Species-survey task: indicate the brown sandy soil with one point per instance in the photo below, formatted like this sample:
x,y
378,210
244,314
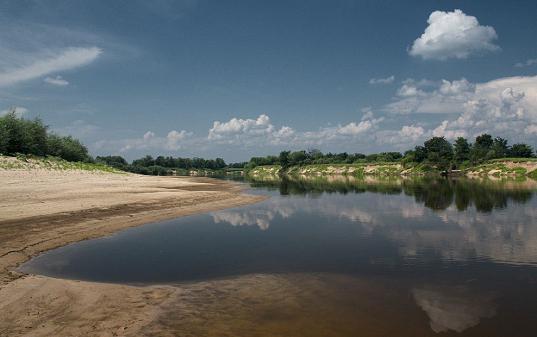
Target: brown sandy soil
x,y
45,209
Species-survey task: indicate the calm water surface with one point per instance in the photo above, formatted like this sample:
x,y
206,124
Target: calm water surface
x,y
418,256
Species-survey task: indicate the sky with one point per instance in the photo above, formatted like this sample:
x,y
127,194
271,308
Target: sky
x,y
236,79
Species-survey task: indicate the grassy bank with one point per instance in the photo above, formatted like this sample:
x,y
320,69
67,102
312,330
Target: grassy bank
x,y
27,162
508,167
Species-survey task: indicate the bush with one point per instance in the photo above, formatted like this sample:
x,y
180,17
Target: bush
x,y
19,135
67,148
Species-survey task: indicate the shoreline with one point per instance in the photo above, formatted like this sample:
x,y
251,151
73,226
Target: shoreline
x,y
42,209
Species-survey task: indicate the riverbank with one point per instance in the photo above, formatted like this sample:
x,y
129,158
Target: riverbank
x,y
518,167
45,208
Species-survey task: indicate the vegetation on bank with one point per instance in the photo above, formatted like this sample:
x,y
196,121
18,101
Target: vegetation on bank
x,y
27,162
487,155
166,165
32,137
35,146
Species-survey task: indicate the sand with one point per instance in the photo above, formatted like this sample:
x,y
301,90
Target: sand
x,y
44,209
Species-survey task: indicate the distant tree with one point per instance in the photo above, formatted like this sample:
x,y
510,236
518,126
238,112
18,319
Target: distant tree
x,y
521,151
4,137
439,152
461,150
482,148
68,148
114,161
420,153
484,141
284,158
499,147
297,157
144,162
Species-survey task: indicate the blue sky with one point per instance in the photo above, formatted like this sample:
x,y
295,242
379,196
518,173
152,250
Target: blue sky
x,y
240,78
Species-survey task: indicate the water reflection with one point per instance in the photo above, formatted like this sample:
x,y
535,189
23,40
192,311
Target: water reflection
x,y
435,193
462,218
332,256
454,308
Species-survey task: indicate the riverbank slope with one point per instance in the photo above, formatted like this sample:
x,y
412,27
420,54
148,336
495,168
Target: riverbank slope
x,y
516,167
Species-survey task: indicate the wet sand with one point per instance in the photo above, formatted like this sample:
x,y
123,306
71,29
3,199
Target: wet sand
x,y
45,209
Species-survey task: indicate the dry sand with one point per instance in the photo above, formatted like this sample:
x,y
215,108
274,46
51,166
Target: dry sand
x,y
45,209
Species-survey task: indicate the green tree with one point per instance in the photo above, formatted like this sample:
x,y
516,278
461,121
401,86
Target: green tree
x,y
521,151
499,147
482,147
297,157
284,159
68,148
439,152
114,161
4,137
461,150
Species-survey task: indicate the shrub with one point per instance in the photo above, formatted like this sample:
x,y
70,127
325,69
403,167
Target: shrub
x,y
67,148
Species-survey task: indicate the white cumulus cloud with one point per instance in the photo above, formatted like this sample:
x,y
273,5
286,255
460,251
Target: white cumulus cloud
x,y
453,35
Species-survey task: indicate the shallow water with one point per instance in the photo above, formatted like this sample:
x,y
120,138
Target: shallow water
x,y
338,256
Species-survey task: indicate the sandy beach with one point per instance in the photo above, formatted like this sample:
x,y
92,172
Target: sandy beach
x,y
44,209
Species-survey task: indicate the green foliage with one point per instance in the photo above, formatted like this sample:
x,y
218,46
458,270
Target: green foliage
x,y
168,165
284,159
68,148
461,150
22,136
113,161
439,152
521,151
19,135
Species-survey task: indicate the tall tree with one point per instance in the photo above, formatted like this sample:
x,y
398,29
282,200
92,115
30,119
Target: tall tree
x,y
499,147
521,150
461,149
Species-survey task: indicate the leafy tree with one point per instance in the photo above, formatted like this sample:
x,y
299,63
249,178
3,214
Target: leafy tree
x,y
297,157
461,149
439,152
4,137
144,162
68,148
284,158
521,150
499,147
114,161
482,148
420,153
484,141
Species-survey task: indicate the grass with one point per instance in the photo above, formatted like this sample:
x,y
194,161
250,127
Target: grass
x,y
514,160
25,162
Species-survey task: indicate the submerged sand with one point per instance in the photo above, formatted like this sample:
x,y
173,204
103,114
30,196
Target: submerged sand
x,y
45,209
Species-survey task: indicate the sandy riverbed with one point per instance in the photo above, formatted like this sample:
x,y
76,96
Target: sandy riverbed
x,y
45,209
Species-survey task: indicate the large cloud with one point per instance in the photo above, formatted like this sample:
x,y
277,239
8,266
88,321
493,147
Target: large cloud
x,y
261,132
506,107
173,141
453,35
427,96
47,62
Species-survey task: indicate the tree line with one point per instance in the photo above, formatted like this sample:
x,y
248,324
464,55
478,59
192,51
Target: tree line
x,y
19,135
162,165
436,152
22,136
32,137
